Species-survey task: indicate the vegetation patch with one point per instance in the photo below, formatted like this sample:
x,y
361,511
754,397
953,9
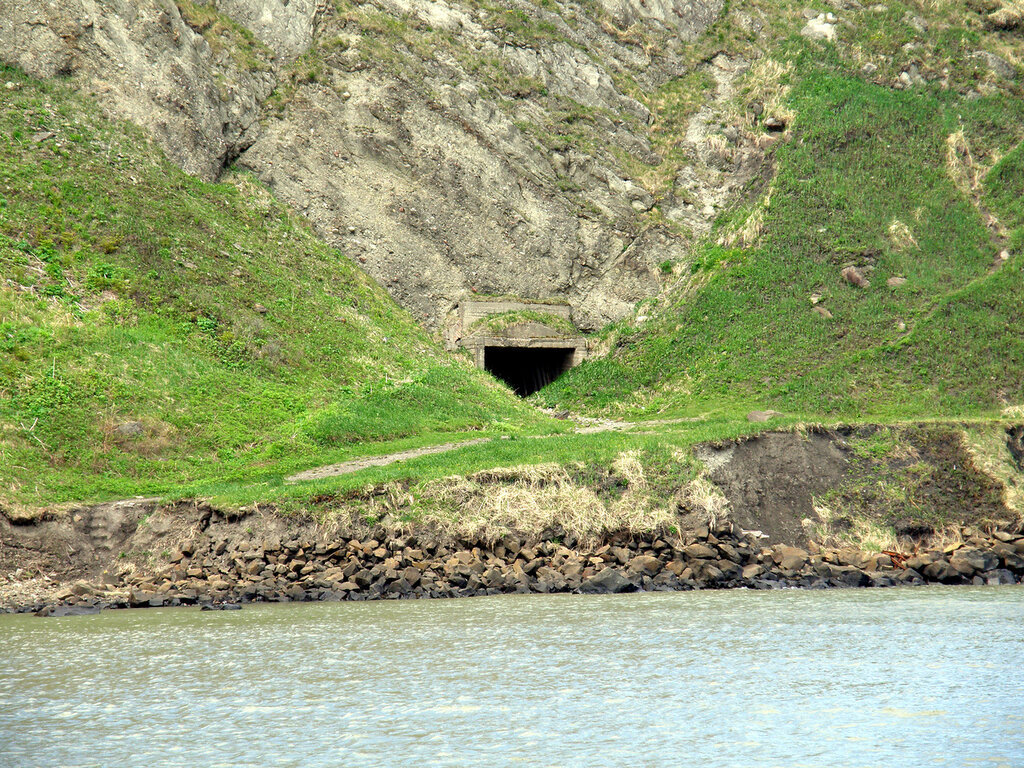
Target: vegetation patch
x,y
225,35
504,321
157,331
928,328
911,481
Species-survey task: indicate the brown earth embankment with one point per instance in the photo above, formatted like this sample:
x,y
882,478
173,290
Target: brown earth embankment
x,y
861,506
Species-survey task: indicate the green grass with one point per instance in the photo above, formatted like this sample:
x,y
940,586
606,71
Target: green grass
x,y
222,33
1004,192
505,320
583,451
742,334
157,331
915,474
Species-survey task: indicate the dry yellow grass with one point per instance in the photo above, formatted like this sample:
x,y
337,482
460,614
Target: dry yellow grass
x,y
703,498
863,534
960,164
1010,16
530,499
763,83
987,446
900,236
748,233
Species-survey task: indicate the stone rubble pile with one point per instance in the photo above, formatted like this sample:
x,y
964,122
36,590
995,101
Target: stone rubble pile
x,y
216,571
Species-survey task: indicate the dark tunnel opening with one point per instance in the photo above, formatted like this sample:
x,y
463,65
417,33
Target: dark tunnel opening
x,y
527,369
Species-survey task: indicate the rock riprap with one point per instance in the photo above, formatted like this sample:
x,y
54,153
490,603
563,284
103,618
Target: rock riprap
x,y
220,572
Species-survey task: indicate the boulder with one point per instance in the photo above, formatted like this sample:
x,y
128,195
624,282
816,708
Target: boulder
x,y
620,554
783,551
59,611
1014,562
710,573
411,576
81,588
138,598
572,570
825,570
398,587
968,561
909,576
1000,576
730,553
919,562
645,564
996,64
552,579
752,571
700,552
850,577
878,562
729,569
793,563
854,276
819,28
610,580
942,572
676,567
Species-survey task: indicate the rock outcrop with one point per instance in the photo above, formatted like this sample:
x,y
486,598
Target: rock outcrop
x,y
146,64
450,149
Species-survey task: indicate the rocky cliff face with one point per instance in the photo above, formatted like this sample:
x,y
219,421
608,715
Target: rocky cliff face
x,y
559,149
144,62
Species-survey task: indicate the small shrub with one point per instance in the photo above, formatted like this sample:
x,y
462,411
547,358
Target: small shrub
x,y
103,277
121,312
207,324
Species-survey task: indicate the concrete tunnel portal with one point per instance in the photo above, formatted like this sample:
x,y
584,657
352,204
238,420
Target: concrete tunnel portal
x,y
528,369
525,344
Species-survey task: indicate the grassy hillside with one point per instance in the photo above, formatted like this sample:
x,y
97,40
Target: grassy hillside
x,y
918,189
158,331
160,335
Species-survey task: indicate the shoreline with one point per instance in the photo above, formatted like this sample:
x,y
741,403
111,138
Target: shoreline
x,y
217,571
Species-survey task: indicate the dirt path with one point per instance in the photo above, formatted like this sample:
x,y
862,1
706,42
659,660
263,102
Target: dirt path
x,y
587,426
354,465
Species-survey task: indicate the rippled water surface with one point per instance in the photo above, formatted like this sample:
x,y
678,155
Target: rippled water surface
x,y
909,677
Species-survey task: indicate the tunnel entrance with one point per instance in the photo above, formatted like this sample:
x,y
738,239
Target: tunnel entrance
x,y
527,369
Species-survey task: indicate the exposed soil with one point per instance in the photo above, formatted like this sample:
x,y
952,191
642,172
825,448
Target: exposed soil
x,y
771,480
1015,444
911,480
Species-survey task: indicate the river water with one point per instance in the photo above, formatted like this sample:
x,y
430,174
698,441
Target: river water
x,y
898,677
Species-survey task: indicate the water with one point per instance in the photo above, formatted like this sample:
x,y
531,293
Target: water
x,y
911,677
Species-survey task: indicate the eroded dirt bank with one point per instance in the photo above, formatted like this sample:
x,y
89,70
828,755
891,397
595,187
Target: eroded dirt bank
x,y
863,506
